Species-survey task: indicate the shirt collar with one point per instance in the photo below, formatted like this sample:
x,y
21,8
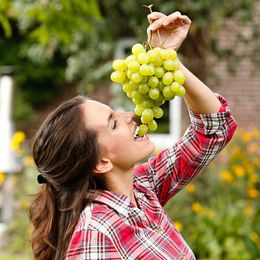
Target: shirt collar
x,y
119,202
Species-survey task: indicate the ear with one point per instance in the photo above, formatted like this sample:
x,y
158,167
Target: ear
x,y
104,165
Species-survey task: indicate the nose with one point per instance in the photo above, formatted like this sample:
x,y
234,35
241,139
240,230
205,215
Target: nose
x,y
129,117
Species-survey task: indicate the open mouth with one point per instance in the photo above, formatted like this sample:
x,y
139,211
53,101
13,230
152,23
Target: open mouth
x,y
138,138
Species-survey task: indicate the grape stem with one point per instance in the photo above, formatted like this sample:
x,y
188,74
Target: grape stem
x,y
158,33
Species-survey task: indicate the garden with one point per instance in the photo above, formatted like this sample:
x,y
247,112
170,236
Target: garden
x,y
62,48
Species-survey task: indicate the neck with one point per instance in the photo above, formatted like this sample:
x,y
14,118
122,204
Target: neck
x,y
121,182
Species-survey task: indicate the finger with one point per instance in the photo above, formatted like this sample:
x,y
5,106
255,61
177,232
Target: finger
x,y
154,16
157,24
186,19
177,17
172,17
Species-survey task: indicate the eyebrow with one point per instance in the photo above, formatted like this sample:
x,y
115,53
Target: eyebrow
x,y
109,118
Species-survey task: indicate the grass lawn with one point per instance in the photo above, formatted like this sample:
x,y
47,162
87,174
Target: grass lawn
x,y
14,257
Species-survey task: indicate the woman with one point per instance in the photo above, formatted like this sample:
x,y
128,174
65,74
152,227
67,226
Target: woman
x,y
94,203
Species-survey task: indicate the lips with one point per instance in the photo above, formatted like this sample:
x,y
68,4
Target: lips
x,y
137,138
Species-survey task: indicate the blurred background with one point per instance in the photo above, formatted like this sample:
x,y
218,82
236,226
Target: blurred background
x,y
52,50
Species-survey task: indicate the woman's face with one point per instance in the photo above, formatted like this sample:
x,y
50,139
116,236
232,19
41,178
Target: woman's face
x,y
115,133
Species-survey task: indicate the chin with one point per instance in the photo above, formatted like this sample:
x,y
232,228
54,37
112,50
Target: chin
x,y
149,151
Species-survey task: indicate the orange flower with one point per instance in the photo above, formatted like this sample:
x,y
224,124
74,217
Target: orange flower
x,y
252,193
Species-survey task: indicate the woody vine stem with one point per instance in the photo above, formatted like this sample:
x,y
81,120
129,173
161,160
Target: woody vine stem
x,y
149,40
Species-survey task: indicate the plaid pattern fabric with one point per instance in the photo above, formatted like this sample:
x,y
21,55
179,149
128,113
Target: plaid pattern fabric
x,y
111,227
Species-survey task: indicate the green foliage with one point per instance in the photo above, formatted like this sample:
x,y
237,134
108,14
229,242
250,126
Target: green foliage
x,y
220,210
51,42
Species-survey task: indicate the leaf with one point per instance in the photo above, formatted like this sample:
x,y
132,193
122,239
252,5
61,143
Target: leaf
x,y
6,26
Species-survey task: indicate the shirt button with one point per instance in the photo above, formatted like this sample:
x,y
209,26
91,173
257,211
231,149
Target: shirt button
x,y
184,257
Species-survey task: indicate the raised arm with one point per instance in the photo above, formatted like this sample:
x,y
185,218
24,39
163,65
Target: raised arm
x,y
169,32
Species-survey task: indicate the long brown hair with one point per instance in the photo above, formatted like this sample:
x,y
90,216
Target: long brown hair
x,y
65,152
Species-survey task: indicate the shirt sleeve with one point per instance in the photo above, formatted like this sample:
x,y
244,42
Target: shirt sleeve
x,y
91,244
176,166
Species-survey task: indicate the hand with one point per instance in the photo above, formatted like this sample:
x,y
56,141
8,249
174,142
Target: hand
x,y
167,31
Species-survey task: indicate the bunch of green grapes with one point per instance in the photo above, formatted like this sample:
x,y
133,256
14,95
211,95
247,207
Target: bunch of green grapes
x,y
149,78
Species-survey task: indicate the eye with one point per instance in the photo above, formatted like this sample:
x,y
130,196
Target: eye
x,y
114,124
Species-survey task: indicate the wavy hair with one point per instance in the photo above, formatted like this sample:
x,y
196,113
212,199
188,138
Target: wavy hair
x,y
65,152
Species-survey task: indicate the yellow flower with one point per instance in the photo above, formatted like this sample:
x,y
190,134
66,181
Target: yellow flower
x,y
239,171
255,237
227,176
2,177
196,207
252,148
17,139
178,225
247,137
249,211
190,187
252,193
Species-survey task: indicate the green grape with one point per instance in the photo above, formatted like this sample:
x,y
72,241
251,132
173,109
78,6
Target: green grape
x,y
181,92
133,85
179,76
167,92
143,88
133,66
129,94
143,58
153,82
160,98
175,86
119,65
147,103
137,101
144,69
151,67
137,77
173,54
157,50
137,95
143,129
152,55
160,102
158,62
157,112
127,87
130,58
158,72
154,93
160,86
139,110
167,78
170,64
147,116
165,54
144,80
129,74
118,76
152,125
137,49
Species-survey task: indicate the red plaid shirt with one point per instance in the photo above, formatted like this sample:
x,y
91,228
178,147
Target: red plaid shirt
x,y
111,227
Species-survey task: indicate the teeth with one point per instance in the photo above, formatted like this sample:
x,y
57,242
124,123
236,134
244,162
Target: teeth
x,y
136,132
